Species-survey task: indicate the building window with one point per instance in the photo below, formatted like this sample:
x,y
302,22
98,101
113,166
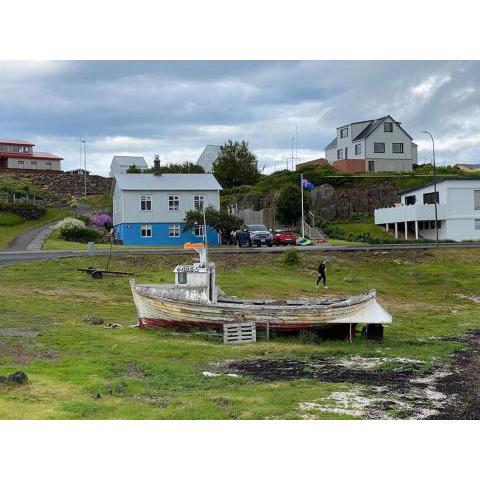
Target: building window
x,y
420,225
344,132
346,152
358,149
378,147
48,165
340,154
173,202
146,231
476,194
397,147
371,166
198,202
199,230
410,200
21,164
477,224
145,202
34,164
429,198
174,230
388,127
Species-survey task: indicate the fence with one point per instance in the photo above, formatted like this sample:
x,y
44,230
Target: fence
x,y
15,198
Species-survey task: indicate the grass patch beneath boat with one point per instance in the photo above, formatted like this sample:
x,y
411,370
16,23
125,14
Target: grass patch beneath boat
x,y
78,370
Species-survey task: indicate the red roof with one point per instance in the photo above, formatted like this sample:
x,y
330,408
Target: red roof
x,y
50,156
17,142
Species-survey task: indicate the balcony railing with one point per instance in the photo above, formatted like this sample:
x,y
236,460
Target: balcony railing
x,y
409,213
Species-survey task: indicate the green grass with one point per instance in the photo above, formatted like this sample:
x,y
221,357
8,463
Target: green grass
x,y
157,374
9,219
359,228
8,233
101,203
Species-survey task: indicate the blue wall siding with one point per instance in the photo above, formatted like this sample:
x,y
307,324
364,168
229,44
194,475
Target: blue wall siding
x,y
130,234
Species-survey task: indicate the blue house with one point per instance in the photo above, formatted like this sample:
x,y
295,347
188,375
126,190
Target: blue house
x,y
149,209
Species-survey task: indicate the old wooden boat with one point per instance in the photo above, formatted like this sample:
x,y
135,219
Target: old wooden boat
x,y
196,301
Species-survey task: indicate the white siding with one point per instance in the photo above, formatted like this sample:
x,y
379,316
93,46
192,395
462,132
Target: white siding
x,y
129,205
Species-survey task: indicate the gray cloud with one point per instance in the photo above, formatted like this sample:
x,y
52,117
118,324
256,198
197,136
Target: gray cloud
x,y
175,108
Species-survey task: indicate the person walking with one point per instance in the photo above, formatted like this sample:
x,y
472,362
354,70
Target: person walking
x,y
321,274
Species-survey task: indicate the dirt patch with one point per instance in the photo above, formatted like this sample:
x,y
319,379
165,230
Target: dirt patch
x,y
134,370
463,383
22,355
15,332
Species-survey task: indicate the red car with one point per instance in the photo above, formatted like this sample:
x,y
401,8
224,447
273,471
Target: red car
x,y
284,237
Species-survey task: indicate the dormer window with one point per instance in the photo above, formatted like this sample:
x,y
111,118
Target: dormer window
x,y
344,132
388,127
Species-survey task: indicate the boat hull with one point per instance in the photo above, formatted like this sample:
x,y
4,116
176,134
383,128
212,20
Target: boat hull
x,y
156,311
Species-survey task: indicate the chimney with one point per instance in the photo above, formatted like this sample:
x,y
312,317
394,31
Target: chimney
x,y
156,165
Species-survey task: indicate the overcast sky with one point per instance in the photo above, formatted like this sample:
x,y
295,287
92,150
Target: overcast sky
x,y
176,108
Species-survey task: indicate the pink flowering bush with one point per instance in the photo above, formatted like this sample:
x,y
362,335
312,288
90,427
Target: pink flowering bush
x,y
102,220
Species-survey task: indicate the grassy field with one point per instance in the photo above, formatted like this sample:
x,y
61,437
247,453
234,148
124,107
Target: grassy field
x,y
359,228
81,371
9,232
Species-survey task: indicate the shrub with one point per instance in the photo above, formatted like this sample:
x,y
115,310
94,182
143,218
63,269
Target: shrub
x,y
23,209
83,235
84,218
291,257
102,220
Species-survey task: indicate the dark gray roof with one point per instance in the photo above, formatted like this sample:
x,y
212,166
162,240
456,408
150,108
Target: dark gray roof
x,y
440,180
332,144
374,124
167,181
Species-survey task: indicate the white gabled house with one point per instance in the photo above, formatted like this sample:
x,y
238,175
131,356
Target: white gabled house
x,y
149,209
458,211
380,145
121,163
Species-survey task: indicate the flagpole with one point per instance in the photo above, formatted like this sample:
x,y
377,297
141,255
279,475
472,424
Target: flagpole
x,y
303,221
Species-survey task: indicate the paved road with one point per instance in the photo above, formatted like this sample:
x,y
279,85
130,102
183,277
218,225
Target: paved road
x,y
31,240
9,257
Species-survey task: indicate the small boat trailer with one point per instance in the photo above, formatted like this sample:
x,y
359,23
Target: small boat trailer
x,y
98,273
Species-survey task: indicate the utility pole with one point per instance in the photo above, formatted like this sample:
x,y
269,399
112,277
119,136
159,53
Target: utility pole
x,y
303,219
434,185
296,145
293,138
84,168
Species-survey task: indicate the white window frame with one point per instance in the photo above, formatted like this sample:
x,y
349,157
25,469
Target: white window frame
x,y
172,199
344,132
476,199
476,224
197,200
174,230
340,154
145,197
358,149
378,143
34,165
198,230
20,164
147,229
385,127
48,165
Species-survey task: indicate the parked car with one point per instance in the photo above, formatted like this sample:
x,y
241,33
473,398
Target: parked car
x,y
284,237
260,235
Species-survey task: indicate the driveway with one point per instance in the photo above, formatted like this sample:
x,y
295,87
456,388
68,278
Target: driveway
x,y
31,240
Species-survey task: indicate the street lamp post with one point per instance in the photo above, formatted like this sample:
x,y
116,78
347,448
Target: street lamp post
x,y
434,185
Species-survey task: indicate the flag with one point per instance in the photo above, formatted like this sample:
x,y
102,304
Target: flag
x,y
306,184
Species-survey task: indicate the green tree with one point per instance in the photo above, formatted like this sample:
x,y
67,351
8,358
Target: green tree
x,y
236,165
289,204
186,167
219,220
133,169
